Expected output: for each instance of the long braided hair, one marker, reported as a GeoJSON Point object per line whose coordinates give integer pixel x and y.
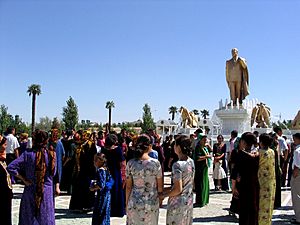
{"type": "Point", "coordinates": [40, 141]}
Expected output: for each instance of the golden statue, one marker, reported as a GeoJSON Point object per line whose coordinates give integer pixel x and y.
{"type": "Point", "coordinates": [261, 115]}
{"type": "Point", "coordinates": [237, 77]}
{"type": "Point", "coordinates": [296, 121]}
{"type": "Point", "coordinates": [188, 119]}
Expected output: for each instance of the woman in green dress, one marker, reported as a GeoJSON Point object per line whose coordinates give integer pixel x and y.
{"type": "Point", "coordinates": [202, 159]}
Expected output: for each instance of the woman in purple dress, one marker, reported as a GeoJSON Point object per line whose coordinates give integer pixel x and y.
{"type": "Point", "coordinates": [38, 167]}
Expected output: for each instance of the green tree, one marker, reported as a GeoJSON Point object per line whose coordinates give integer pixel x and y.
{"type": "Point", "coordinates": [34, 90]}
{"type": "Point", "coordinates": [173, 111]}
{"type": "Point", "coordinates": [17, 121]}
{"type": "Point", "coordinates": [23, 127]}
{"type": "Point", "coordinates": [195, 111]}
{"type": "Point", "coordinates": [100, 126]}
{"type": "Point", "coordinates": [288, 124]}
{"type": "Point", "coordinates": [44, 124]}
{"type": "Point", "coordinates": [109, 105]}
{"type": "Point", "coordinates": [56, 124]}
{"type": "Point", "coordinates": [128, 127]}
{"type": "Point", "coordinates": [70, 114]}
{"type": "Point", "coordinates": [148, 122]}
{"type": "Point", "coordinates": [204, 113]}
{"type": "Point", "coordinates": [6, 119]}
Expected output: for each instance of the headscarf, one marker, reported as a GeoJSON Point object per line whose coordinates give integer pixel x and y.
{"type": "Point", "coordinates": [81, 139]}
{"type": "Point", "coordinates": [24, 136]}
{"type": "Point", "coordinates": [40, 141]}
{"type": "Point", "coordinates": [53, 138]}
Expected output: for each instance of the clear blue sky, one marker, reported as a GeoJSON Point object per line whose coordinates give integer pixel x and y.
{"type": "Point", "coordinates": [160, 52]}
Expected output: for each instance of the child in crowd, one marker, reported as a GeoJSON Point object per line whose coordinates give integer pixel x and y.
{"type": "Point", "coordinates": [218, 173]}
{"type": "Point", "coordinates": [103, 185]}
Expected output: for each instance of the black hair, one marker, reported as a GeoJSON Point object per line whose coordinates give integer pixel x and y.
{"type": "Point", "coordinates": [10, 129]}
{"type": "Point", "coordinates": [2, 141]}
{"type": "Point", "coordinates": [120, 139]}
{"type": "Point", "coordinates": [111, 140]}
{"type": "Point", "coordinates": [277, 129]}
{"type": "Point", "coordinates": [256, 133]}
{"type": "Point", "coordinates": [284, 137]}
{"type": "Point", "coordinates": [69, 133]}
{"type": "Point", "coordinates": [102, 157]}
{"type": "Point", "coordinates": [199, 131]}
{"type": "Point", "coordinates": [234, 133]}
{"type": "Point", "coordinates": [249, 138]}
{"type": "Point", "coordinates": [142, 144]}
{"type": "Point", "coordinates": [220, 136]}
{"type": "Point", "coordinates": [39, 139]}
{"type": "Point", "coordinates": [297, 136]}
{"type": "Point", "coordinates": [266, 140]}
{"type": "Point", "coordinates": [185, 144]}
{"type": "Point", "coordinates": [100, 133]}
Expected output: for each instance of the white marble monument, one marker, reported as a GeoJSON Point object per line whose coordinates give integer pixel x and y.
{"type": "Point", "coordinates": [235, 117]}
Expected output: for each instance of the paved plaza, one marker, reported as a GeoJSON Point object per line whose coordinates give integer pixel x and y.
{"type": "Point", "coordinates": [216, 212]}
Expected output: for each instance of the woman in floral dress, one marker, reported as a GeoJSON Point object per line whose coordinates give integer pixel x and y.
{"type": "Point", "coordinates": [180, 203]}
{"type": "Point", "coordinates": [266, 179]}
{"type": "Point", "coordinates": [143, 183]}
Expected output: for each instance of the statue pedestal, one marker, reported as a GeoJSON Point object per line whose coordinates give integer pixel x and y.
{"type": "Point", "coordinates": [186, 131]}
{"type": "Point", "coordinates": [234, 119]}
{"type": "Point", "coordinates": [262, 130]}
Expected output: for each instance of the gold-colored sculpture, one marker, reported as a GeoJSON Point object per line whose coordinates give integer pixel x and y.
{"type": "Point", "coordinates": [237, 78]}
{"type": "Point", "coordinates": [296, 121]}
{"type": "Point", "coordinates": [188, 119]}
{"type": "Point", "coordinates": [261, 115]}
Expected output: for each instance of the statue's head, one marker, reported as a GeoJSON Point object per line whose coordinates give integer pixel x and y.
{"type": "Point", "coordinates": [234, 52]}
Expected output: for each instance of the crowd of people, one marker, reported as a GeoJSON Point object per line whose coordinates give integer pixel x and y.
{"type": "Point", "coordinates": [126, 172]}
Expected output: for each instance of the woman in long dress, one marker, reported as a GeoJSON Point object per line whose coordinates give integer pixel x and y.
{"type": "Point", "coordinates": [101, 212]}
{"type": "Point", "coordinates": [38, 168]}
{"type": "Point", "coordinates": [219, 153]}
{"type": "Point", "coordinates": [202, 159]}
{"type": "Point", "coordinates": [115, 161]}
{"type": "Point", "coordinates": [278, 172]}
{"type": "Point", "coordinates": [180, 202]}
{"type": "Point", "coordinates": [143, 184]}
{"type": "Point", "coordinates": [247, 166]}
{"type": "Point", "coordinates": [5, 186]}
{"type": "Point", "coordinates": [266, 179]}
{"type": "Point", "coordinates": [82, 199]}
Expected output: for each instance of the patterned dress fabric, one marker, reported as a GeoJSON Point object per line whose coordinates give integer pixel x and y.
{"type": "Point", "coordinates": [101, 213]}
{"type": "Point", "coordinates": [143, 204]}
{"type": "Point", "coordinates": [267, 186]}
{"type": "Point", "coordinates": [180, 208]}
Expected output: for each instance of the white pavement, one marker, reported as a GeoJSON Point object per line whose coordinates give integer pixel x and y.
{"type": "Point", "coordinates": [215, 213]}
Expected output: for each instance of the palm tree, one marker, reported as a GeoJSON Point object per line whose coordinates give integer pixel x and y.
{"type": "Point", "coordinates": [109, 106]}
{"type": "Point", "coordinates": [195, 111]}
{"type": "Point", "coordinates": [173, 110]}
{"type": "Point", "coordinates": [34, 90]}
{"type": "Point", "coordinates": [204, 113]}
